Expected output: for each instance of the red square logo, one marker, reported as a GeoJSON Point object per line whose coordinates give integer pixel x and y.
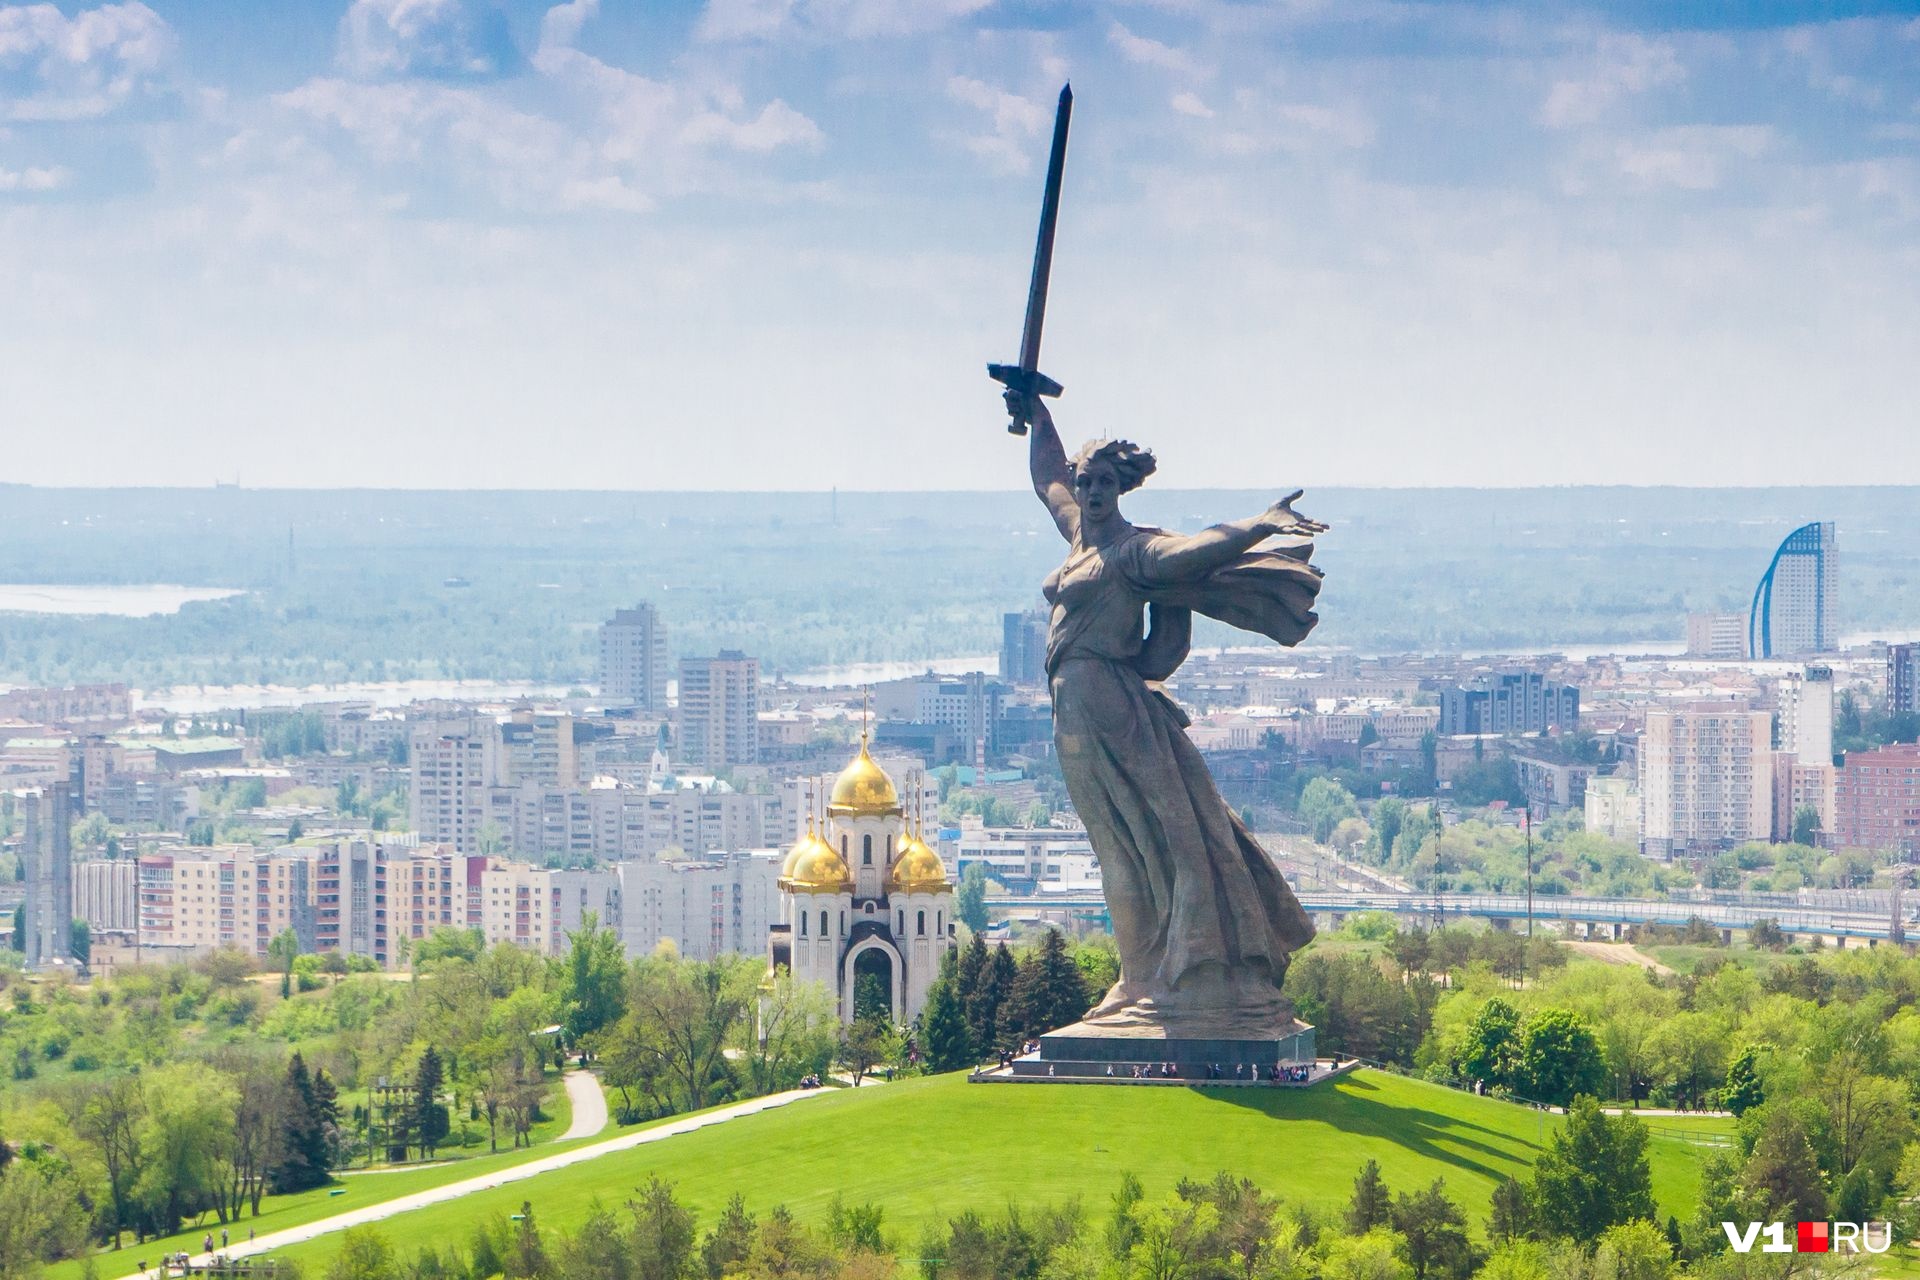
{"type": "Point", "coordinates": [1813, 1237]}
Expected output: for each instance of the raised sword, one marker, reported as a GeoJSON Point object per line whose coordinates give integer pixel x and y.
{"type": "Point", "coordinates": [1026, 377]}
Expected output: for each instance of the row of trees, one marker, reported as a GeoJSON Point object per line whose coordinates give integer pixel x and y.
{"type": "Point", "coordinates": [144, 1152]}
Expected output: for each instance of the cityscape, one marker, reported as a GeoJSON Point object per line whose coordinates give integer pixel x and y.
{"type": "Point", "coordinates": [574, 707]}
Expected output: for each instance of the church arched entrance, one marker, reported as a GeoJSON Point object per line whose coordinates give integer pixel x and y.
{"type": "Point", "coordinates": [873, 981]}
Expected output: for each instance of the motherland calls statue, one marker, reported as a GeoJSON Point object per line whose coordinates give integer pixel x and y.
{"type": "Point", "coordinates": [1204, 920]}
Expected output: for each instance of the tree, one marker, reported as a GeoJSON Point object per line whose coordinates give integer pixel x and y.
{"type": "Point", "coordinates": [797, 1027]}
{"type": "Point", "coordinates": [596, 976]}
{"type": "Point", "coordinates": [662, 1240]}
{"type": "Point", "coordinates": [862, 1044]}
{"type": "Point", "coordinates": [1781, 1178]}
{"type": "Point", "coordinates": [991, 996]}
{"type": "Point", "coordinates": [42, 1218]}
{"type": "Point", "coordinates": [284, 949]}
{"type": "Point", "coordinates": [730, 1243]}
{"type": "Point", "coordinates": [527, 1257]}
{"type": "Point", "coordinates": [1511, 1215]}
{"type": "Point", "coordinates": [943, 1029]}
{"type": "Point", "coordinates": [1557, 1058]}
{"type": "Point", "coordinates": [1372, 1256]}
{"type": "Point", "coordinates": [1435, 1232]}
{"type": "Point", "coordinates": [80, 941]}
{"type": "Point", "coordinates": [1388, 815]}
{"type": "Point", "coordinates": [1594, 1174]}
{"type": "Point", "coordinates": [1049, 991]}
{"type": "Point", "coordinates": [365, 1254]}
{"type": "Point", "coordinates": [1371, 1206]}
{"type": "Point", "coordinates": [429, 1113]}
{"type": "Point", "coordinates": [1488, 1049]}
{"type": "Point", "coordinates": [1806, 825]}
{"type": "Point", "coordinates": [692, 1009]}
{"type": "Point", "coordinates": [1324, 804]}
{"type": "Point", "coordinates": [1743, 1090]}
{"type": "Point", "coordinates": [110, 1116]}
{"type": "Point", "coordinates": [970, 898]}
{"type": "Point", "coordinates": [1170, 1238]}
{"type": "Point", "coordinates": [257, 1134]}
{"type": "Point", "coordinates": [1633, 1251]}
{"type": "Point", "coordinates": [189, 1131]}
{"type": "Point", "coordinates": [303, 1148]}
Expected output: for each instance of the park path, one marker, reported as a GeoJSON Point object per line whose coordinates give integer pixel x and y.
{"type": "Point", "coordinates": [501, 1177]}
{"type": "Point", "coordinates": [589, 1105]}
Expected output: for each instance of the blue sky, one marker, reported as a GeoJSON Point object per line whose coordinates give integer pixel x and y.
{"type": "Point", "coordinates": [771, 243]}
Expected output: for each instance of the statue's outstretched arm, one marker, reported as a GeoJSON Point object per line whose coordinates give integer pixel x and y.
{"type": "Point", "coordinates": [1047, 460]}
{"type": "Point", "coordinates": [1177, 558]}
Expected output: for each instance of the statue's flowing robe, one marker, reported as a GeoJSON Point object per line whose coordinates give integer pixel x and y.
{"type": "Point", "coordinates": [1203, 919]}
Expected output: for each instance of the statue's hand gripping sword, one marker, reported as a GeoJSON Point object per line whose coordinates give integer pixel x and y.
{"type": "Point", "coordinates": [1025, 377]}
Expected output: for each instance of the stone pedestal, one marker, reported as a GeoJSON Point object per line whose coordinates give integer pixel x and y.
{"type": "Point", "coordinates": [1084, 1051]}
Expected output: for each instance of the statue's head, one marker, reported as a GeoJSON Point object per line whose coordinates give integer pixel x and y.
{"type": "Point", "coordinates": [1105, 469]}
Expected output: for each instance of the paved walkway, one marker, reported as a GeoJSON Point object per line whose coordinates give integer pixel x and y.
{"type": "Point", "coordinates": [589, 1105]}
{"type": "Point", "coordinates": [501, 1177]}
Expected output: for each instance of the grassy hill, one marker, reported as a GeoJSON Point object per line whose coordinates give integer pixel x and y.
{"type": "Point", "coordinates": [927, 1149]}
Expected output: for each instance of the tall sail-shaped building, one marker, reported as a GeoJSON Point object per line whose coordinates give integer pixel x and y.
{"type": "Point", "coordinates": [1796, 605]}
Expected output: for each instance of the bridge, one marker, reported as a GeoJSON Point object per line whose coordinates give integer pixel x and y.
{"type": "Point", "coordinates": [1604, 916]}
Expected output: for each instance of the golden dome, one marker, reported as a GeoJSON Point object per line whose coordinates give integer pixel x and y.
{"type": "Point", "coordinates": [814, 866]}
{"type": "Point", "coordinates": [863, 790]}
{"type": "Point", "coordinates": [918, 869]}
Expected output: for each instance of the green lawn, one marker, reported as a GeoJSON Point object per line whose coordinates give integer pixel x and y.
{"type": "Point", "coordinates": [356, 1190]}
{"type": "Point", "coordinates": [927, 1149]}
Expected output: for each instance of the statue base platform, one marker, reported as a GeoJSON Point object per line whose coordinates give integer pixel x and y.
{"type": "Point", "coordinates": [1092, 1053]}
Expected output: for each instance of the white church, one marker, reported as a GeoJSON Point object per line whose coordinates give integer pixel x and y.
{"type": "Point", "coordinates": [862, 894]}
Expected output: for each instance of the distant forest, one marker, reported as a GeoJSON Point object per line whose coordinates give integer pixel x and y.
{"type": "Point", "coordinates": [350, 585]}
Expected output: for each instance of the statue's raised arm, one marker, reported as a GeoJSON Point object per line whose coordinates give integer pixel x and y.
{"type": "Point", "coordinates": [1047, 460]}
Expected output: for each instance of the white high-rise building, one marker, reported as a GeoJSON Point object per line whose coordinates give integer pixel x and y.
{"type": "Point", "coordinates": [1706, 777]}
{"type": "Point", "coordinates": [633, 658]}
{"type": "Point", "coordinates": [719, 710]}
{"type": "Point", "coordinates": [454, 762]}
{"type": "Point", "coordinates": [1804, 702]}
{"type": "Point", "coordinates": [48, 917]}
{"type": "Point", "coordinates": [705, 907]}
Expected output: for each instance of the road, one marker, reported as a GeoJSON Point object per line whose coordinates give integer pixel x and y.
{"type": "Point", "coordinates": [589, 1105]}
{"type": "Point", "coordinates": [501, 1177]}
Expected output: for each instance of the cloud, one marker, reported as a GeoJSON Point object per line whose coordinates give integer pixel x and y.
{"type": "Point", "coordinates": [1189, 105]}
{"type": "Point", "coordinates": [730, 20]}
{"type": "Point", "coordinates": [778, 125]}
{"type": "Point", "coordinates": [1015, 121]}
{"type": "Point", "coordinates": [1622, 66]}
{"type": "Point", "coordinates": [1297, 127]}
{"type": "Point", "coordinates": [53, 67]}
{"type": "Point", "coordinates": [34, 179]}
{"type": "Point", "coordinates": [560, 28]}
{"type": "Point", "coordinates": [1151, 53]}
{"type": "Point", "coordinates": [1690, 157]}
{"type": "Point", "coordinates": [442, 39]}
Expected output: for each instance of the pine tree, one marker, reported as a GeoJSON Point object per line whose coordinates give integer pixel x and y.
{"type": "Point", "coordinates": [1743, 1091]}
{"type": "Point", "coordinates": [943, 1029]}
{"type": "Point", "coordinates": [1370, 1207]}
{"type": "Point", "coordinates": [730, 1243]}
{"type": "Point", "coordinates": [527, 1260]}
{"type": "Point", "coordinates": [1049, 991]}
{"type": "Point", "coordinates": [305, 1140]}
{"type": "Point", "coordinates": [429, 1115]}
{"type": "Point", "coordinates": [1512, 1216]}
{"type": "Point", "coordinates": [985, 1011]}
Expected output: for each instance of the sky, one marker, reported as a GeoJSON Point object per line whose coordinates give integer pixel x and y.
{"type": "Point", "coordinates": [771, 244]}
